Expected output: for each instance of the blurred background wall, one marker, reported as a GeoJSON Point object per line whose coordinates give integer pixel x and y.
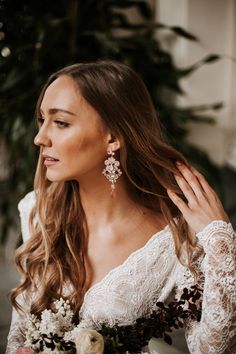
{"type": "Point", "coordinates": [36, 39]}
{"type": "Point", "coordinates": [214, 23]}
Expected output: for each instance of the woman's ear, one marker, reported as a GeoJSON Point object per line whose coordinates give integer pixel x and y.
{"type": "Point", "coordinates": [113, 142]}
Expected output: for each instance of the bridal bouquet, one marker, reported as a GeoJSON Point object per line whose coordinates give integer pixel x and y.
{"type": "Point", "coordinates": [55, 332]}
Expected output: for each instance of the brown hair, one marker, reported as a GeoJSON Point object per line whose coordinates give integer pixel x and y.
{"type": "Point", "coordinates": [54, 255]}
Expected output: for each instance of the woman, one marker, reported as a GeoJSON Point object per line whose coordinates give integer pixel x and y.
{"type": "Point", "coordinates": [114, 239]}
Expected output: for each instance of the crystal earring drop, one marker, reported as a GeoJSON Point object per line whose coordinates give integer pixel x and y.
{"type": "Point", "coordinates": [111, 170]}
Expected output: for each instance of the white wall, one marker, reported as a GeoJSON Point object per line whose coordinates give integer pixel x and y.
{"type": "Point", "coordinates": [214, 23]}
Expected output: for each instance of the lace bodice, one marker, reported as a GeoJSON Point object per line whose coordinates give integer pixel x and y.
{"type": "Point", "coordinates": [153, 273]}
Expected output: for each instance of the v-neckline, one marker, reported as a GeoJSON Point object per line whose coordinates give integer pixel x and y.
{"type": "Point", "coordinates": [123, 264]}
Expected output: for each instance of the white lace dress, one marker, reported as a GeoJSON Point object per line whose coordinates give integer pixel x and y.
{"type": "Point", "coordinates": [153, 273]}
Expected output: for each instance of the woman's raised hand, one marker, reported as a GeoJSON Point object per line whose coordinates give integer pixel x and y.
{"type": "Point", "coordinates": [202, 204]}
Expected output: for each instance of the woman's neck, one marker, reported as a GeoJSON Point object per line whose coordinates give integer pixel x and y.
{"type": "Point", "coordinates": [100, 207]}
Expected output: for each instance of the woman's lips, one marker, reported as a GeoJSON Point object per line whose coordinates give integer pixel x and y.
{"type": "Point", "coordinates": [49, 160]}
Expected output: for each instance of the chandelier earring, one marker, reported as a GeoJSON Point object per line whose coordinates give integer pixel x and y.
{"type": "Point", "coordinates": [111, 170]}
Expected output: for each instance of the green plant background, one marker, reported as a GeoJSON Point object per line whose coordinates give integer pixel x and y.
{"type": "Point", "coordinates": [44, 36]}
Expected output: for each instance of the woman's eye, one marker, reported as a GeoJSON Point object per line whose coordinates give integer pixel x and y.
{"type": "Point", "coordinates": [40, 121]}
{"type": "Point", "coordinates": [61, 124]}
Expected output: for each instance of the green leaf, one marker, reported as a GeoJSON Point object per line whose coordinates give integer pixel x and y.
{"type": "Point", "coordinates": [183, 33]}
{"type": "Point", "coordinates": [211, 58]}
{"type": "Point", "coordinates": [178, 30]}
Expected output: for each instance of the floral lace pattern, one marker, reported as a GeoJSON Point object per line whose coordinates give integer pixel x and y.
{"type": "Point", "coordinates": [216, 332]}
{"type": "Point", "coordinates": [126, 290]}
{"type": "Point", "coordinates": [152, 274]}
{"type": "Point", "coordinates": [17, 332]}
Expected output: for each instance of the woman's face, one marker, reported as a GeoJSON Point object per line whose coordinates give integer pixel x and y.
{"type": "Point", "coordinates": [72, 136]}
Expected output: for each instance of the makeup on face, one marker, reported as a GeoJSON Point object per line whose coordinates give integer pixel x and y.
{"type": "Point", "coordinates": [71, 133]}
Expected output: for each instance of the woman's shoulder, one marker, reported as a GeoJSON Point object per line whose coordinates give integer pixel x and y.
{"type": "Point", "coordinates": [27, 202]}
{"type": "Point", "coordinates": [25, 206]}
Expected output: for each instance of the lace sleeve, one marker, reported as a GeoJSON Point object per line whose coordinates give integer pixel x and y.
{"type": "Point", "coordinates": [16, 335]}
{"type": "Point", "coordinates": [216, 332]}
{"type": "Point", "coordinates": [17, 329]}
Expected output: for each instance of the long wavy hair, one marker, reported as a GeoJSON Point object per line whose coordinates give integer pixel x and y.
{"type": "Point", "coordinates": [54, 256]}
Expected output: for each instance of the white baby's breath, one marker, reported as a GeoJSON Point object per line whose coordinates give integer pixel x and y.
{"type": "Point", "coordinates": [57, 322]}
{"type": "Point", "coordinates": [33, 329]}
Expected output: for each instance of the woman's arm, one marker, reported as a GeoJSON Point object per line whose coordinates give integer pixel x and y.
{"type": "Point", "coordinates": [216, 332]}
{"type": "Point", "coordinates": [16, 336]}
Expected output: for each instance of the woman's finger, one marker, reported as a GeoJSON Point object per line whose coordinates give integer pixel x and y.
{"type": "Point", "coordinates": [205, 185]}
{"type": "Point", "coordinates": [178, 202]}
{"type": "Point", "coordinates": [192, 180]}
{"type": "Point", "coordinates": [186, 189]}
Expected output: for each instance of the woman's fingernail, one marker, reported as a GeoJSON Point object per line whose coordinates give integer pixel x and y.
{"type": "Point", "coordinates": [178, 163]}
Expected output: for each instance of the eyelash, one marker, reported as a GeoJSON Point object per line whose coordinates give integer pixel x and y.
{"type": "Point", "coordinates": [59, 123]}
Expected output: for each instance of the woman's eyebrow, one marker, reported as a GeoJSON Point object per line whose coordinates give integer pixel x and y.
{"type": "Point", "coordinates": [58, 110]}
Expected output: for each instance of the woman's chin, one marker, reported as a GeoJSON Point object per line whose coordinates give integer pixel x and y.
{"type": "Point", "coordinates": [57, 178]}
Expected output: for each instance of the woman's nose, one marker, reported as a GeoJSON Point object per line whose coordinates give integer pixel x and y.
{"type": "Point", "coordinates": [42, 139]}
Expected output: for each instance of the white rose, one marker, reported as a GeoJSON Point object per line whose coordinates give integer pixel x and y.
{"type": "Point", "coordinates": [89, 341]}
